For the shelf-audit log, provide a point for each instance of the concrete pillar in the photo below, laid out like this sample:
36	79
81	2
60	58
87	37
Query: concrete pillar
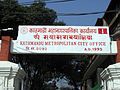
111	77
89	84
11	76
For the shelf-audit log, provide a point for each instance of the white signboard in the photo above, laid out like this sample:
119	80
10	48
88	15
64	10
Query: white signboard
63	39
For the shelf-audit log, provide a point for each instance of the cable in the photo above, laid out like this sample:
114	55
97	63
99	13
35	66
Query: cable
46	1
59	1
78	14
69	14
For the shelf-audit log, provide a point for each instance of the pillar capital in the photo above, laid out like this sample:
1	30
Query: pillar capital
111	77
11	76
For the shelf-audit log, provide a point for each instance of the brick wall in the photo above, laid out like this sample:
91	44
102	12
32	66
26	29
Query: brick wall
118	55
5	49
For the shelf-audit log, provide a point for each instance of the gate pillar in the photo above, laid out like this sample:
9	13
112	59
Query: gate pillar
118	54
11	74
5	49
111	77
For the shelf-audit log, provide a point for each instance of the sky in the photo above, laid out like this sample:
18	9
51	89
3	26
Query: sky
78	6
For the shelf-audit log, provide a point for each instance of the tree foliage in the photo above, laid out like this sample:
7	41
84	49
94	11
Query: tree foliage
12	15
44	68
41	68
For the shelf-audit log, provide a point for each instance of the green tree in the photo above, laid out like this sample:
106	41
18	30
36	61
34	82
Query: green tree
40	68
12	15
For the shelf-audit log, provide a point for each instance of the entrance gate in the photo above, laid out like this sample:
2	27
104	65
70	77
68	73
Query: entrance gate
50	39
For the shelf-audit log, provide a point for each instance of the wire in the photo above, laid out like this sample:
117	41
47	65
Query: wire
69	14
46	1
66	14
59	1
78	14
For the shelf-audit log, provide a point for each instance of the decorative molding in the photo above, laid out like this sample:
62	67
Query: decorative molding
1	81
111	77
10	74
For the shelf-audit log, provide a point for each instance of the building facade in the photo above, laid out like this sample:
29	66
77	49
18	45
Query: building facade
96	70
